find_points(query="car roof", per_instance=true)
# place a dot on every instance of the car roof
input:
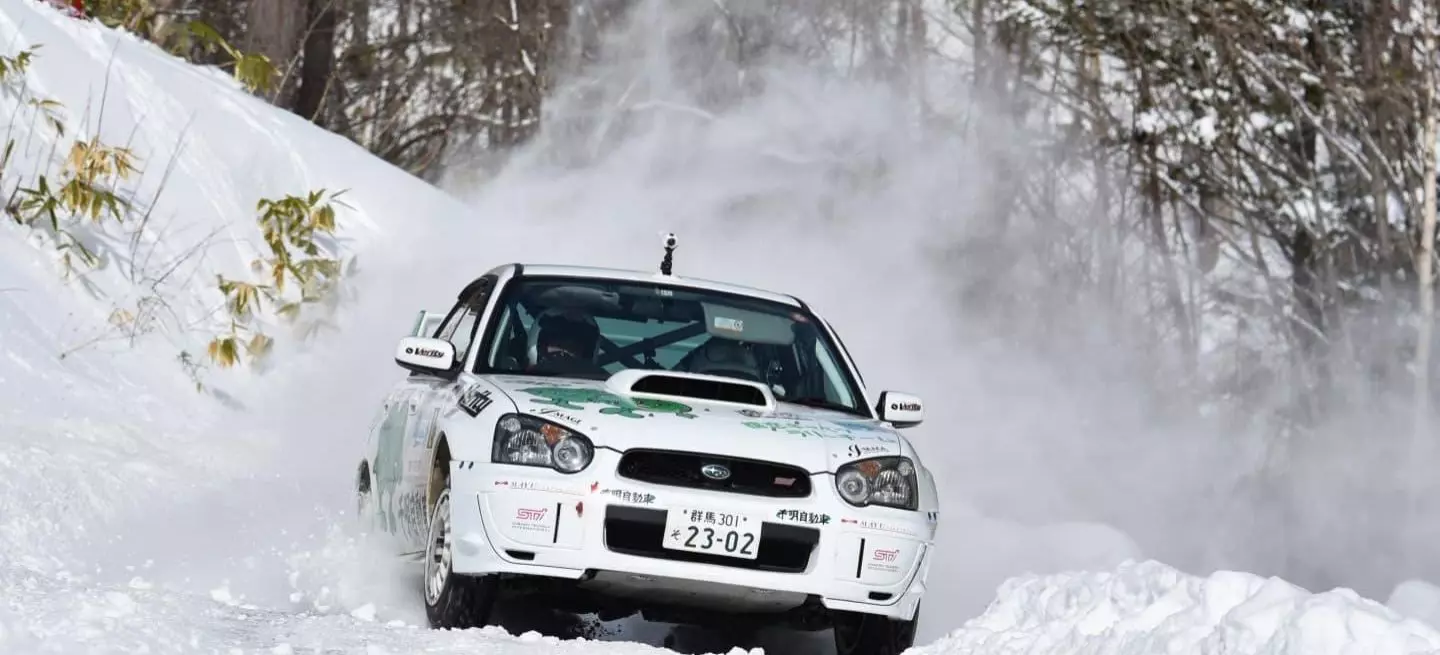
(630, 275)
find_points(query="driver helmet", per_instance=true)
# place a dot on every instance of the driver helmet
(725, 357)
(564, 334)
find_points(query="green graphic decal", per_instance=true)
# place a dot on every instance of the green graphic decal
(568, 398)
(798, 429)
(820, 430)
(388, 464)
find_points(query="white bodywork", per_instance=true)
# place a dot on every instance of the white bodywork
(539, 521)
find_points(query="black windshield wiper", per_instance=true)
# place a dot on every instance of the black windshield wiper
(822, 403)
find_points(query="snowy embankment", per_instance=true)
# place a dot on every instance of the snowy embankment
(138, 514)
(1148, 607)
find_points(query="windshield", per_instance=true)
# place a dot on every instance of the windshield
(592, 328)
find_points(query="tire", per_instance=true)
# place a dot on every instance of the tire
(872, 634)
(452, 601)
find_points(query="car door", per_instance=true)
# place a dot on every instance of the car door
(418, 402)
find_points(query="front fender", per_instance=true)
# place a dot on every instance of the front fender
(929, 493)
(471, 408)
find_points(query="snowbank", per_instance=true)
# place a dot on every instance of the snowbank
(1148, 607)
(96, 419)
(1417, 599)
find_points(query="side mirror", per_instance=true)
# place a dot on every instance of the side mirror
(425, 323)
(426, 355)
(903, 410)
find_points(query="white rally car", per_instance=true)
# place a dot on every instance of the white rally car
(623, 441)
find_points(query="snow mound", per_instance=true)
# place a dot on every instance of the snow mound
(1148, 607)
(1417, 599)
(100, 421)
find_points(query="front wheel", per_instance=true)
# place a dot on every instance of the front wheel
(452, 601)
(872, 634)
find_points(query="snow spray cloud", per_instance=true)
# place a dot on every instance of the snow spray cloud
(818, 175)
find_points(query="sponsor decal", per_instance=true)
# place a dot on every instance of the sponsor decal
(860, 426)
(633, 497)
(905, 407)
(932, 516)
(424, 352)
(884, 560)
(411, 515)
(801, 516)
(388, 465)
(816, 430)
(474, 399)
(728, 324)
(534, 485)
(424, 428)
(576, 399)
(752, 413)
(530, 519)
(858, 450)
(432, 430)
(525, 514)
(871, 524)
(551, 412)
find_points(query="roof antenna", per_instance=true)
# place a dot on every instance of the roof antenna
(670, 243)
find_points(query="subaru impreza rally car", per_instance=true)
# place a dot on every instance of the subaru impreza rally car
(624, 442)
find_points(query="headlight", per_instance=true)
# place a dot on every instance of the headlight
(885, 481)
(529, 441)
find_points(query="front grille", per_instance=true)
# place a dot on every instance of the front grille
(747, 476)
(639, 531)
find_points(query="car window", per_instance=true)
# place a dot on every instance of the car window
(655, 326)
(459, 327)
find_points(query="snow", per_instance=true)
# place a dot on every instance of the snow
(1148, 607)
(1416, 599)
(138, 514)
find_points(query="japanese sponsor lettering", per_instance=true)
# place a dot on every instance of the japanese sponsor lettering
(801, 516)
(633, 497)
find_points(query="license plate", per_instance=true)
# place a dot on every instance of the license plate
(713, 533)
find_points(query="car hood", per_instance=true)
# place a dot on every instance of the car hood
(814, 439)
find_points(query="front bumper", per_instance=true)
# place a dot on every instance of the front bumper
(608, 530)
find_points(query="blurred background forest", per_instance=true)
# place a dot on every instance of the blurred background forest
(1244, 190)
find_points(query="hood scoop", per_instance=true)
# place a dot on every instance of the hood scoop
(670, 385)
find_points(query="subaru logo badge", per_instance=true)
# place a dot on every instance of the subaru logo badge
(715, 471)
